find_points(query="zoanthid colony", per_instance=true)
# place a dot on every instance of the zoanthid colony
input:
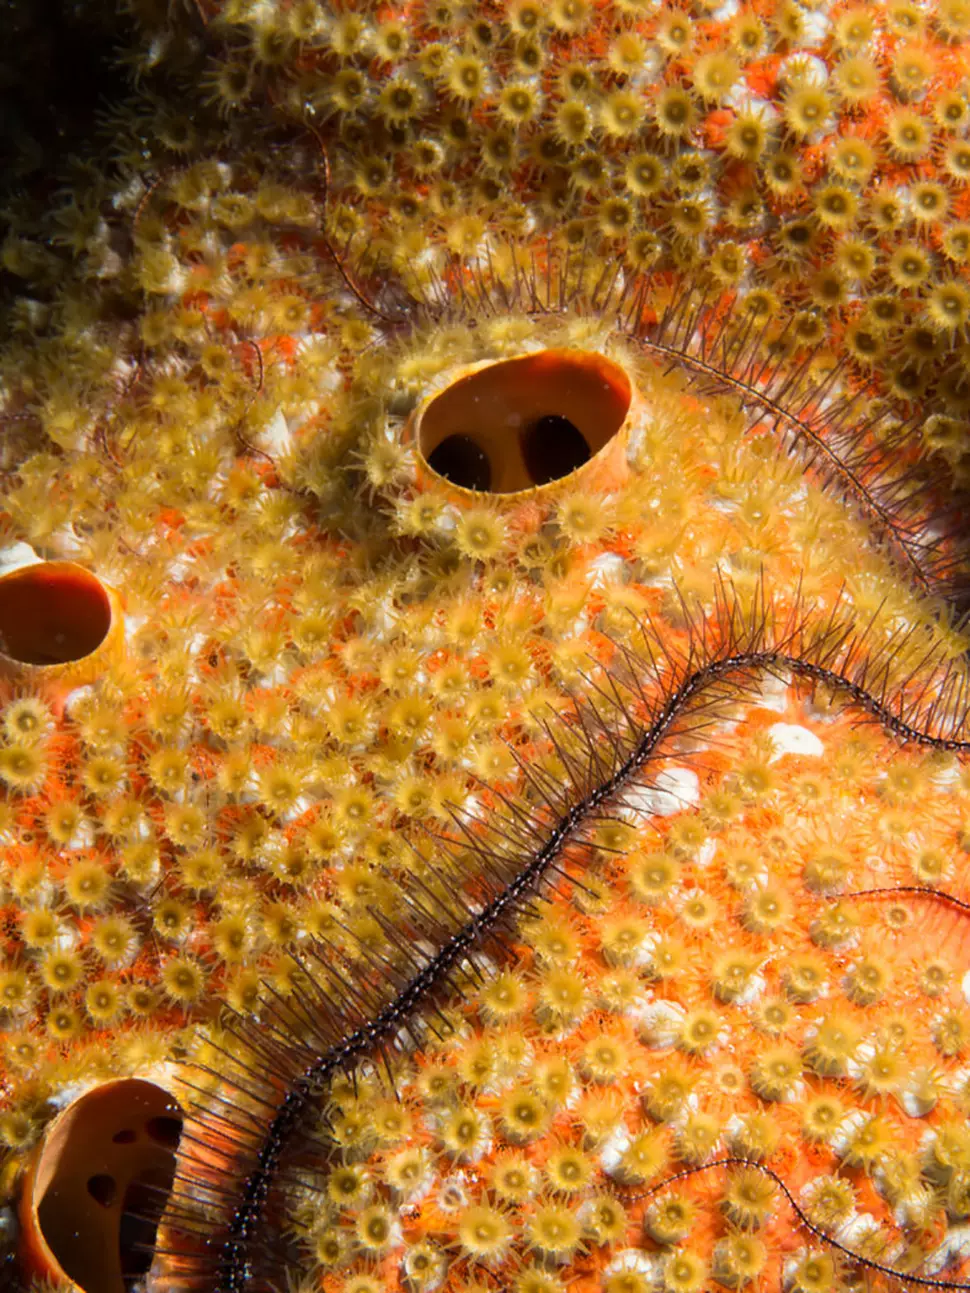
(485, 799)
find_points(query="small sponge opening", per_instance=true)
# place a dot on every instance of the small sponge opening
(524, 422)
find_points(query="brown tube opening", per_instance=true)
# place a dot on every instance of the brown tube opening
(100, 1186)
(524, 422)
(52, 613)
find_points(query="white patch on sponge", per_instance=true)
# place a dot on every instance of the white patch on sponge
(790, 738)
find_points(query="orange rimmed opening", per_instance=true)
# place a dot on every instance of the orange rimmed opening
(59, 624)
(94, 1194)
(52, 613)
(523, 423)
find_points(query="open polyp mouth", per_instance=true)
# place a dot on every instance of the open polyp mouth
(524, 422)
(100, 1185)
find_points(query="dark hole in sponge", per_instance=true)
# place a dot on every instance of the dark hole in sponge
(459, 459)
(552, 447)
(102, 1189)
(165, 1131)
